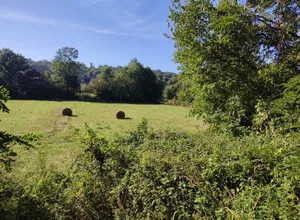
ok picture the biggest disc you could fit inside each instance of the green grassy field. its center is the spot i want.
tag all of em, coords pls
(59, 145)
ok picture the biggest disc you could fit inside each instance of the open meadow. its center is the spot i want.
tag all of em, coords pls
(59, 145)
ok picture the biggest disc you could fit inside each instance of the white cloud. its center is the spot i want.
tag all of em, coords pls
(90, 3)
(131, 20)
(20, 17)
(26, 18)
(108, 32)
(93, 2)
(125, 13)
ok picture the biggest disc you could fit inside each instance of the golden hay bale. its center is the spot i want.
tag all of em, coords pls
(120, 115)
(67, 112)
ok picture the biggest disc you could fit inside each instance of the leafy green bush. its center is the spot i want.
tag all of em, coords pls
(286, 110)
(169, 175)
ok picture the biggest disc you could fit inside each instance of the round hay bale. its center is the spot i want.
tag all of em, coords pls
(67, 112)
(120, 115)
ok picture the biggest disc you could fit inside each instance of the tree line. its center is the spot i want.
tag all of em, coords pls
(66, 78)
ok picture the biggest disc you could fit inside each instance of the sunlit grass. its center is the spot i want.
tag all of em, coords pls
(59, 143)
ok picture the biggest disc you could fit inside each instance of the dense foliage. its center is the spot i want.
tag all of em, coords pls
(286, 110)
(40, 66)
(133, 83)
(66, 78)
(16, 75)
(178, 91)
(66, 70)
(168, 175)
(238, 55)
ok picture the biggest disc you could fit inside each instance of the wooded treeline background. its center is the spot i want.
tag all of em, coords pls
(66, 78)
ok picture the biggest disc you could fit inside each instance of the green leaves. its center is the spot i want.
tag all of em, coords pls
(286, 110)
(166, 175)
(14, 71)
(7, 153)
(66, 70)
(4, 97)
(67, 54)
(235, 55)
(133, 83)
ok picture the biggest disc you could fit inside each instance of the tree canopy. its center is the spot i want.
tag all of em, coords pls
(238, 54)
(67, 78)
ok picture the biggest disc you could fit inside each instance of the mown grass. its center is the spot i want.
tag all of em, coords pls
(59, 142)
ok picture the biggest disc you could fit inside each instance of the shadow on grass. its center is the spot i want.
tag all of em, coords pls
(127, 118)
(74, 116)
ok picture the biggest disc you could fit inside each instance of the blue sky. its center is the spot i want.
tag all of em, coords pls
(104, 31)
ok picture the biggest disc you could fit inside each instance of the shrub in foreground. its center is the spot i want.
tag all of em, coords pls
(170, 175)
